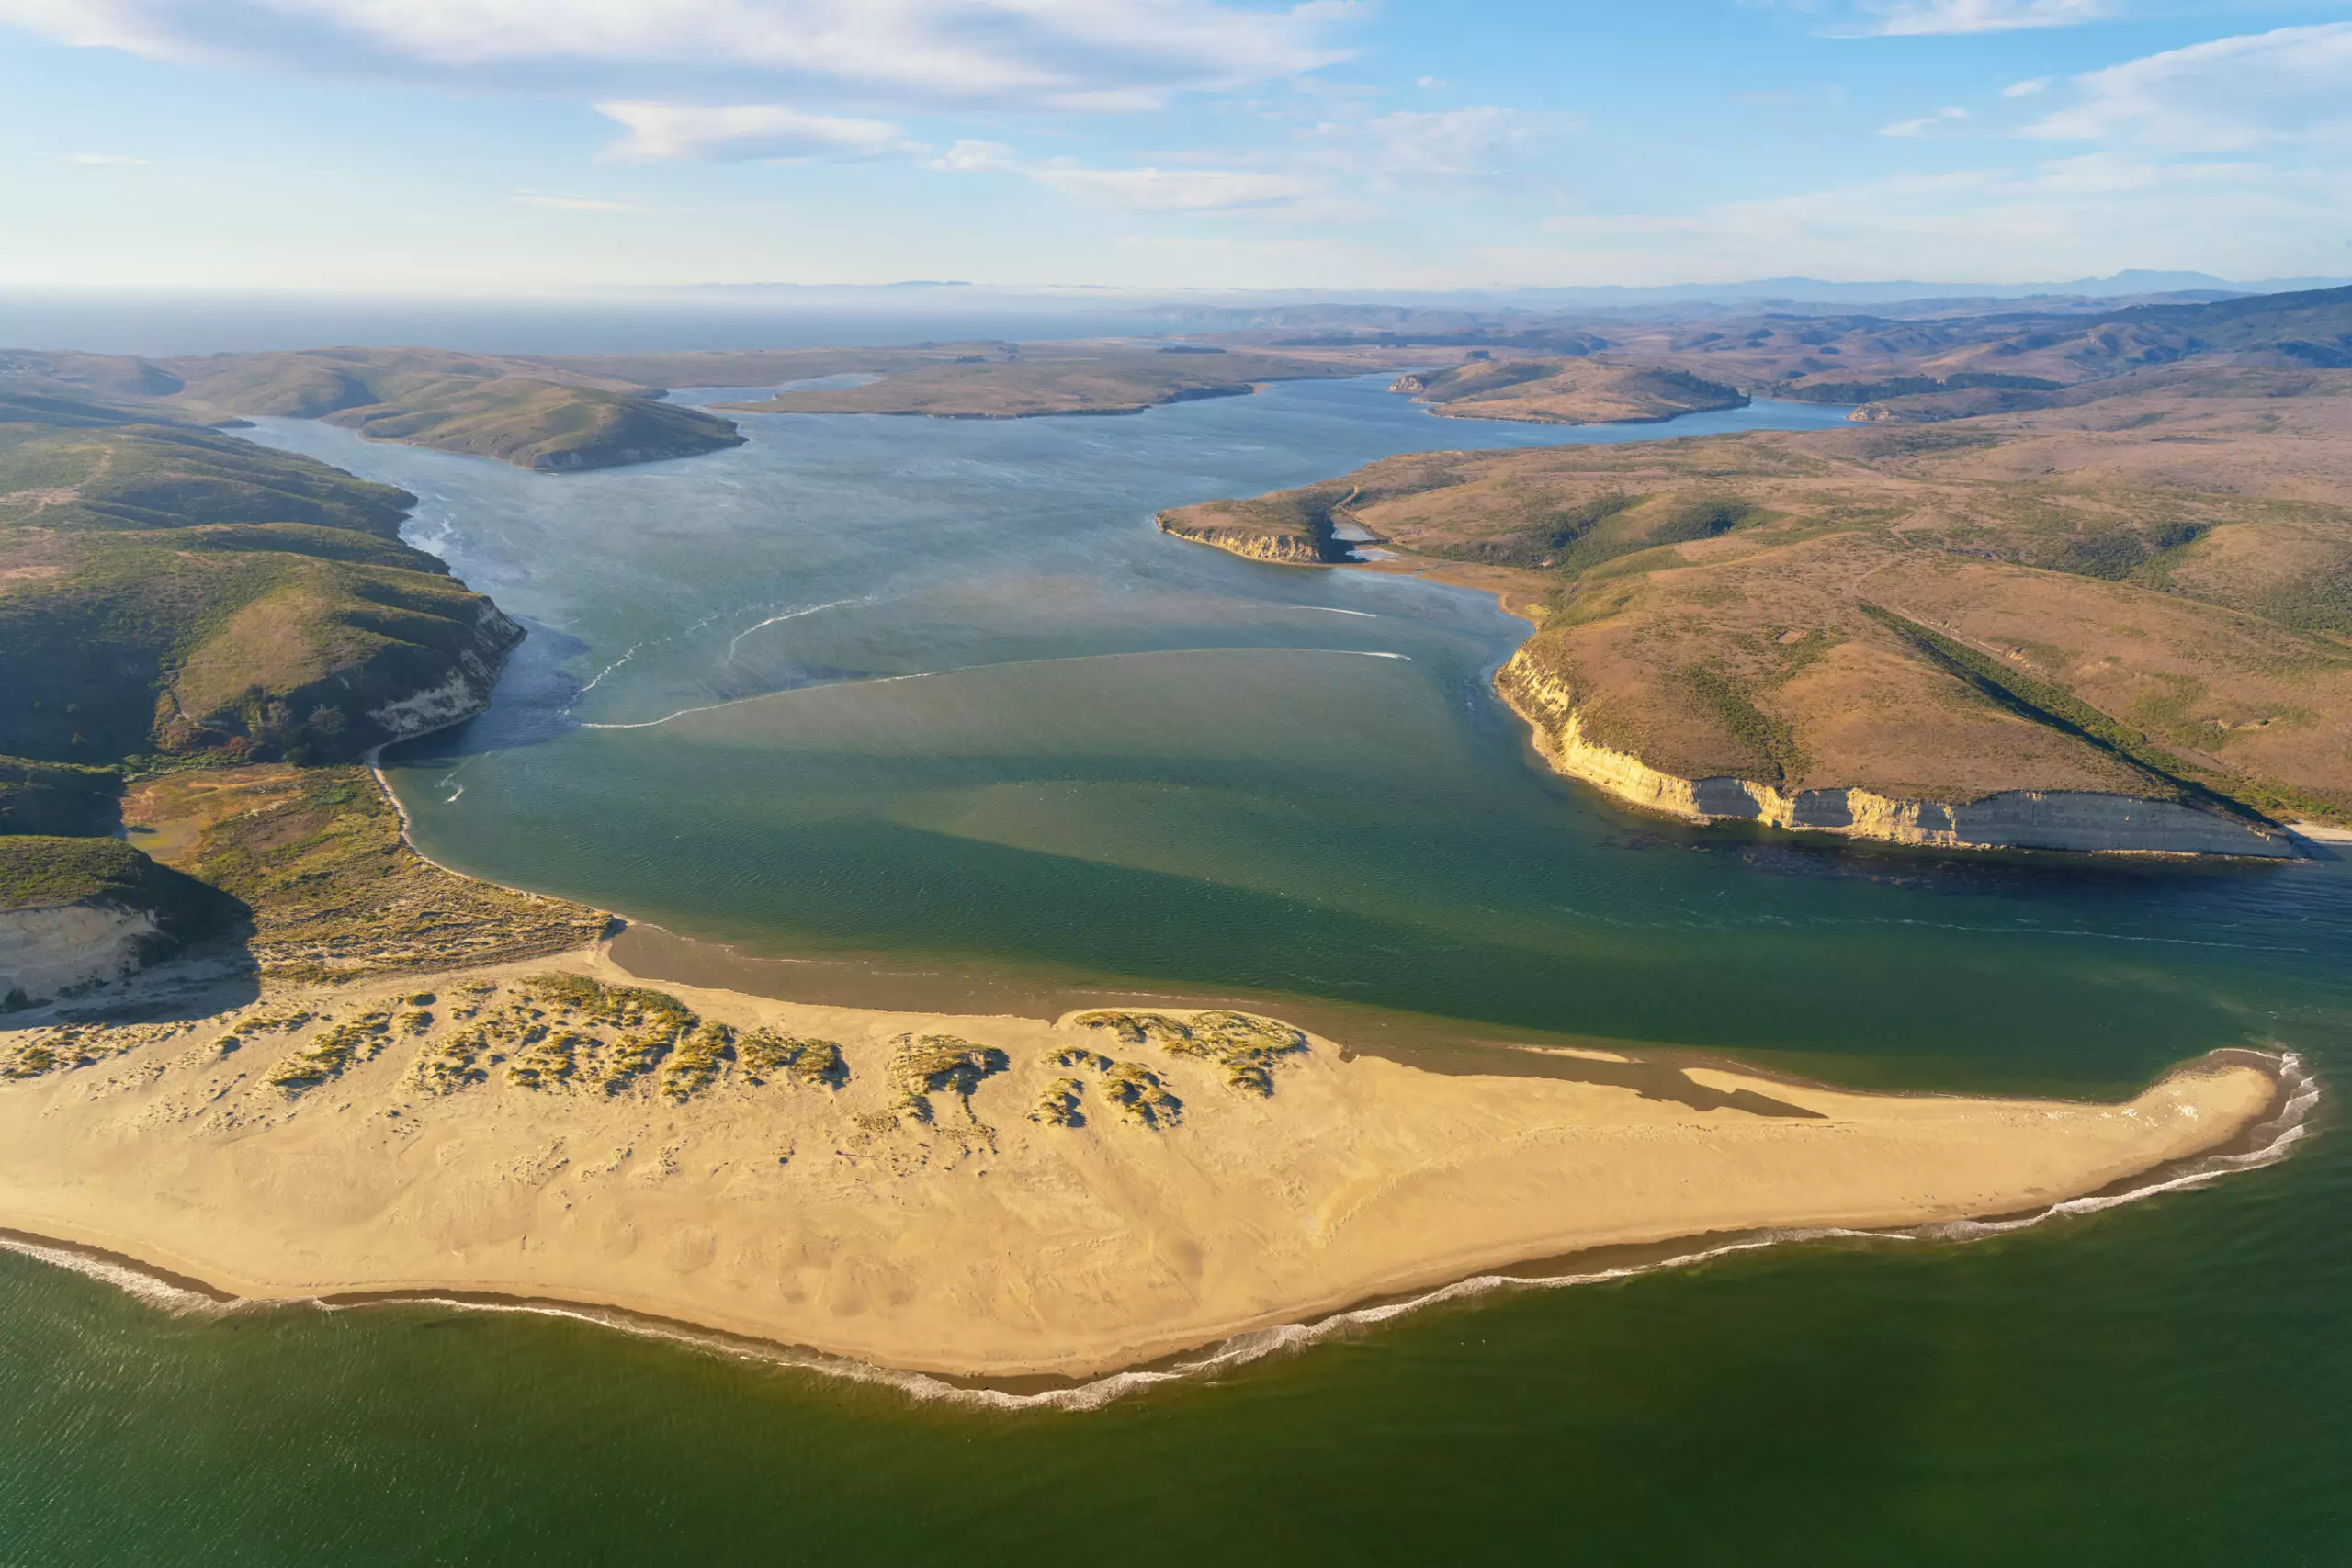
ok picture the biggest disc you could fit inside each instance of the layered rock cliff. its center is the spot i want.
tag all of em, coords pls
(2079, 820)
(1305, 546)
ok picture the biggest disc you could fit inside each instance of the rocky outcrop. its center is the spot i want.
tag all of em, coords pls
(474, 671)
(2079, 820)
(1288, 549)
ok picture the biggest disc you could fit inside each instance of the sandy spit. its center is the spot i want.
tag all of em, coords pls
(984, 1243)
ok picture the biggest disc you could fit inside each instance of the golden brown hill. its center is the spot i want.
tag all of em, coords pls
(1864, 359)
(1566, 391)
(2139, 611)
(1018, 382)
(535, 413)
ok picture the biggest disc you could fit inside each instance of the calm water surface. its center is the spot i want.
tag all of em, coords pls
(928, 708)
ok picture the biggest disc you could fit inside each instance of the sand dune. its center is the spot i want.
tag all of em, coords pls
(1106, 1194)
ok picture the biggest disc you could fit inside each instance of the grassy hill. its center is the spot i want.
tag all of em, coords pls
(1863, 358)
(1006, 381)
(1566, 391)
(2150, 595)
(58, 799)
(179, 591)
(533, 414)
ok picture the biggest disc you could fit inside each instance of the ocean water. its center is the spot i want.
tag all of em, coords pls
(927, 709)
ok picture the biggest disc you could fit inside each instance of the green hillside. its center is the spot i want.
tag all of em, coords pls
(533, 414)
(536, 424)
(177, 591)
(57, 798)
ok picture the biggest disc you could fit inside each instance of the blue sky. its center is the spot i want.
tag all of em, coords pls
(474, 145)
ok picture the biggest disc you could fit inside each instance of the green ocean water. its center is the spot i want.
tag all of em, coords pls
(919, 707)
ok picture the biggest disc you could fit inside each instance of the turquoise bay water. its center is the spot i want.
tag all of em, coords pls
(1128, 763)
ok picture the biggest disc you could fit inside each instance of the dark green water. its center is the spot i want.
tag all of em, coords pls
(1133, 763)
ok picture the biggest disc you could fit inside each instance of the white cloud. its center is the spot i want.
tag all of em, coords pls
(2233, 95)
(1408, 143)
(574, 203)
(2065, 218)
(1323, 174)
(1051, 54)
(1432, 83)
(1151, 189)
(970, 157)
(1146, 188)
(102, 159)
(1905, 18)
(1925, 123)
(740, 132)
(2026, 88)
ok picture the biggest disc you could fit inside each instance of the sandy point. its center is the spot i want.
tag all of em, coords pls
(982, 1196)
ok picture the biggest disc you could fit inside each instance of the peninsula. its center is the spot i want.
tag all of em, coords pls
(1024, 380)
(260, 1043)
(346, 1073)
(984, 1197)
(1566, 391)
(2117, 620)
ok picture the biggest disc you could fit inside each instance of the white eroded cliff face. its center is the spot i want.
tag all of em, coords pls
(2080, 820)
(46, 950)
(466, 690)
(1285, 550)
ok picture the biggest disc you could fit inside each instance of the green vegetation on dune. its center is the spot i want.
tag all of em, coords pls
(335, 892)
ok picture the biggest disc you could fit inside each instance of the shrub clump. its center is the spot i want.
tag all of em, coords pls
(701, 1055)
(332, 1052)
(764, 1054)
(930, 1064)
(1062, 1104)
(1248, 1048)
(1137, 1091)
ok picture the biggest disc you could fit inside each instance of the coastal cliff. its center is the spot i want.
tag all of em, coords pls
(82, 912)
(474, 667)
(1303, 547)
(2080, 820)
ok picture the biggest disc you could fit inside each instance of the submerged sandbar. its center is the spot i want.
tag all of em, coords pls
(977, 1196)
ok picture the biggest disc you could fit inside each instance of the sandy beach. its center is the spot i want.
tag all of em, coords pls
(1107, 1193)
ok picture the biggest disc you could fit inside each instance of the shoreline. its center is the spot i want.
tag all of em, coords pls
(971, 1240)
(2263, 1139)
(1854, 812)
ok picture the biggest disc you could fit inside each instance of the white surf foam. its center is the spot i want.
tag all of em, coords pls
(789, 616)
(2272, 1139)
(132, 1282)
